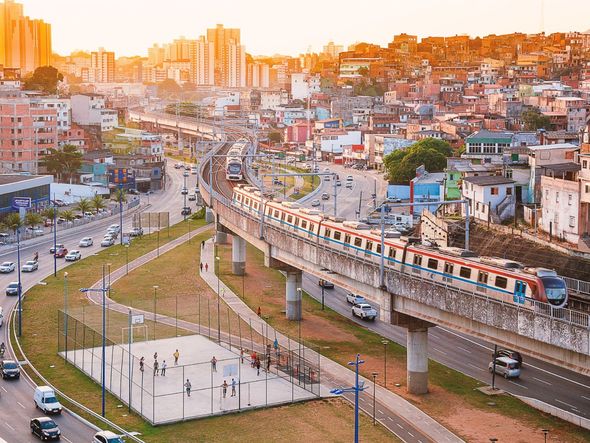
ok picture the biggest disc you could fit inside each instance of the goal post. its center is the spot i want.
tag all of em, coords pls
(138, 333)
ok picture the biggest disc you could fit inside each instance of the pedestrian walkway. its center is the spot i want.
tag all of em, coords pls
(422, 426)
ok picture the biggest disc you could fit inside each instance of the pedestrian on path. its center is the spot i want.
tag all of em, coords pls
(201, 266)
(253, 359)
(176, 355)
(276, 346)
(206, 267)
(188, 387)
(259, 312)
(155, 355)
(214, 364)
(202, 244)
(163, 370)
(141, 363)
(233, 387)
(242, 355)
(156, 368)
(224, 388)
(257, 366)
(268, 363)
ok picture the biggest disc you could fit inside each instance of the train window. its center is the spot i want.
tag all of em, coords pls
(337, 235)
(276, 214)
(501, 282)
(369, 245)
(432, 263)
(449, 268)
(296, 221)
(304, 224)
(378, 250)
(482, 277)
(392, 252)
(239, 197)
(289, 219)
(465, 272)
(358, 242)
(256, 206)
(347, 238)
(282, 216)
(311, 227)
(327, 233)
(247, 201)
(417, 260)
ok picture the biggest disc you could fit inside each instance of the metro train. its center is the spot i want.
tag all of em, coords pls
(501, 279)
(235, 159)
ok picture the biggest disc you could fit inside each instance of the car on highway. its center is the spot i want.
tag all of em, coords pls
(349, 185)
(315, 203)
(10, 369)
(338, 183)
(354, 299)
(56, 247)
(349, 178)
(115, 227)
(12, 288)
(107, 241)
(44, 398)
(35, 231)
(133, 191)
(73, 256)
(177, 166)
(326, 178)
(185, 174)
(510, 354)
(136, 232)
(107, 437)
(30, 266)
(364, 311)
(186, 211)
(394, 200)
(325, 284)
(506, 367)
(61, 252)
(192, 197)
(86, 242)
(325, 196)
(7, 267)
(112, 233)
(184, 191)
(45, 428)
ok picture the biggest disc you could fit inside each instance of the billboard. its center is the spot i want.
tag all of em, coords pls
(21, 202)
(123, 177)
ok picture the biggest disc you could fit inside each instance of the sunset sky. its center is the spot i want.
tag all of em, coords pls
(268, 26)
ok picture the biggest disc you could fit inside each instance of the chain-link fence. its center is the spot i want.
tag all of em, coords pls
(254, 365)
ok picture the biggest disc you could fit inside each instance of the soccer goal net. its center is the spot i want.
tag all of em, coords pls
(138, 333)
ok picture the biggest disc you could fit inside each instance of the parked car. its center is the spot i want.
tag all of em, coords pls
(177, 166)
(10, 369)
(7, 267)
(88, 214)
(510, 354)
(505, 367)
(73, 256)
(107, 241)
(45, 428)
(107, 437)
(35, 231)
(56, 247)
(86, 242)
(44, 398)
(364, 311)
(354, 299)
(12, 288)
(349, 178)
(61, 252)
(325, 284)
(315, 203)
(4, 238)
(30, 266)
(186, 211)
(395, 200)
(136, 232)
(325, 196)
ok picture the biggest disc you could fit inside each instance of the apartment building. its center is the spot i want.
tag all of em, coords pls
(90, 110)
(102, 67)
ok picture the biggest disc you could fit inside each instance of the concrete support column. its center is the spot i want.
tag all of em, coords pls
(209, 215)
(220, 237)
(417, 360)
(238, 255)
(293, 296)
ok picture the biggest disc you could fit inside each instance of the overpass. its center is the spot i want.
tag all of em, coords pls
(559, 336)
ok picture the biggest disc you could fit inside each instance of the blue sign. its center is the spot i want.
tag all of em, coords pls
(21, 202)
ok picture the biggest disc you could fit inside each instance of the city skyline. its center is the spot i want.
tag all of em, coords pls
(265, 31)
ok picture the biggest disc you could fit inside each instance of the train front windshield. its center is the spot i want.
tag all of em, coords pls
(234, 168)
(556, 290)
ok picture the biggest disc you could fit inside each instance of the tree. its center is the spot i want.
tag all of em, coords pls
(120, 196)
(45, 78)
(533, 120)
(97, 203)
(50, 213)
(33, 219)
(401, 164)
(64, 162)
(68, 215)
(84, 205)
(13, 221)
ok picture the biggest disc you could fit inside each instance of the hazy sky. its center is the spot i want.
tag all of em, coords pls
(269, 26)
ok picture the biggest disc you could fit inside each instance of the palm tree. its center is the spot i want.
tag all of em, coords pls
(120, 196)
(13, 222)
(84, 205)
(97, 202)
(33, 219)
(68, 215)
(50, 213)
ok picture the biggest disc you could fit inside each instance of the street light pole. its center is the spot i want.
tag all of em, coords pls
(54, 239)
(322, 297)
(155, 292)
(121, 211)
(20, 289)
(385, 343)
(103, 371)
(374, 374)
(218, 297)
(66, 313)
(545, 432)
(126, 259)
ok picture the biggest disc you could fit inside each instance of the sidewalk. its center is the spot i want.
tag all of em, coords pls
(337, 374)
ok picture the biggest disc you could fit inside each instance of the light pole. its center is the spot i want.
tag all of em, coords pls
(66, 313)
(322, 297)
(20, 288)
(300, 317)
(155, 293)
(54, 239)
(358, 387)
(218, 296)
(126, 259)
(374, 374)
(121, 211)
(385, 343)
(545, 432)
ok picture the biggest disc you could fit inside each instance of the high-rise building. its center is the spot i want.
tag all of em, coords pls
(202, 62)
(258, 75)
(24, 43)
(102, 67)
(156, 55)
(230, 56)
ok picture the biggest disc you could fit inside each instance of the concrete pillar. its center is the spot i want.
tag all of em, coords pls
(293, 296)
(209, 216)
(238, 255)
(417, 360)
(220, 237)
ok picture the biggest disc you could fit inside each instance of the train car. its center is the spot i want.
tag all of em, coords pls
(498, 278)
(234, 164)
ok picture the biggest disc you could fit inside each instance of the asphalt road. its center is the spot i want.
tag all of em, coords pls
(16, 397)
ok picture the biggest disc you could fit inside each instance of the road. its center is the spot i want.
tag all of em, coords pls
(16, 397)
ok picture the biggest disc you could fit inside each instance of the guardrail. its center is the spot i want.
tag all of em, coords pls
(578, 286)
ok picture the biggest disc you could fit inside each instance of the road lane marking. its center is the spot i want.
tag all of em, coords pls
(389, 418)
(543, 381)
(362, 399)
(475, 367)
(66, 439)
(464, 349)
(586, 398)
(400, 426)
(380, 411)
(439, 350)
(21, 405)
(410, 434)
(4, 389)
(8, 426)
(567, 404)
(519, 385)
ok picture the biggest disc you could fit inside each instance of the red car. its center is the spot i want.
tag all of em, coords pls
(61, 252)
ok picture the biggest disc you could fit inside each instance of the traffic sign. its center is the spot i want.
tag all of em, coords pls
(21, 202)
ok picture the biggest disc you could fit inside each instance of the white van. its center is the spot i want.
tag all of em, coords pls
(45, 400)
(1, 316)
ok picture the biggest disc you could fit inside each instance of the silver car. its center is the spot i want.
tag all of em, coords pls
(30, 266)
(7, 267)
(506, 367)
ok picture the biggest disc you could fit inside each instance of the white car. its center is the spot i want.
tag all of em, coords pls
(107, 437)
(364, 311)
(86, 242)
(115, 227)
(7, 267)
(35, 231)
(354, 299)
(30, 266)
(107, 241)
(73, 256)
(315, 203)
(184, 191)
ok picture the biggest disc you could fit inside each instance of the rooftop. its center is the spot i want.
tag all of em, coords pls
(489, 180)
(551, 147)
(485, 136)
(6, 179)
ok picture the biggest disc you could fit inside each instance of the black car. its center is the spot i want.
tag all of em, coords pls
(325, 284)
(510, 354)
(12, 288)
(10, 369)
(186, 211)
(45, 428)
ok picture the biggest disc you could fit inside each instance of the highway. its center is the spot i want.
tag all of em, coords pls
(551, 384)
(16, 396)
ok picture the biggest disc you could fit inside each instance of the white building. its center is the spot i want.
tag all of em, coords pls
(490, 197)
(561, 208)
(273, 100)
(63, 107)
(303, 85)
(333, 141)
(90, 109)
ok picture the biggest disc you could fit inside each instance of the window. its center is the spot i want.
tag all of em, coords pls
(392, 252)
(585, 164)
(432, 263)
(508, 173)
(508, 191)
(311, 227)
(482, 277)
(477, 206)
(256, 206)
(369, 245)
(296, 221)
(557, 197)
(449, 268)
(546, 194)
(276, 214)
(337, 235)
(347, 239)
(304, 224)
(570, 199)
(327, 233)
(358, 242)
(501, 282)
(378, 249)
(418, 260)
(289, 219)
(494, 191)
(465, 272)
(572, 221)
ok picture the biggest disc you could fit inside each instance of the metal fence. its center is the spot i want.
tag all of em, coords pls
(289, 370)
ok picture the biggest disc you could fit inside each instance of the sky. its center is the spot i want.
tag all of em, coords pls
(129, 27)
